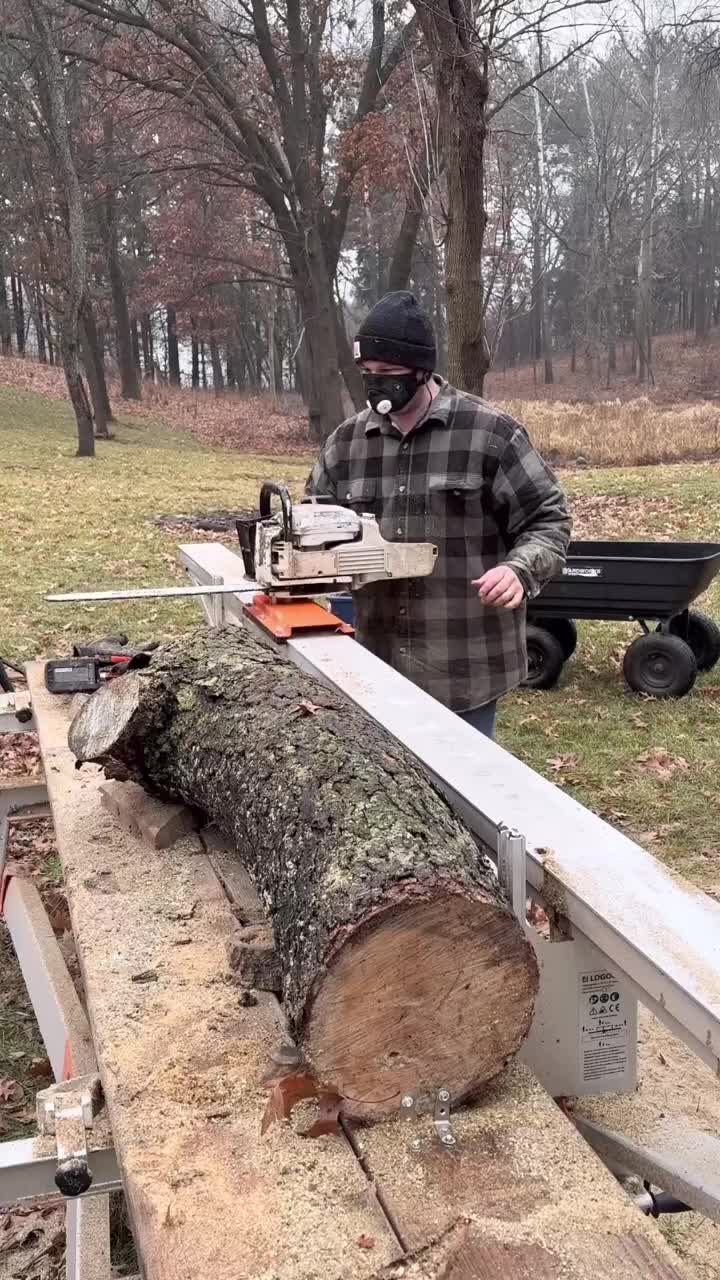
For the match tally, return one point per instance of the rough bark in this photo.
(403, 968)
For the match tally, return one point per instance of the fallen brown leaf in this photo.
(11, 1091)
(40, 1069)
(567, 761)
(660, 762)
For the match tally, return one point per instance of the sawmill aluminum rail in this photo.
(658, 932)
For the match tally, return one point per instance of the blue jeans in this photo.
(482, 718)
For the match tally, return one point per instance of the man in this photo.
(434, 464)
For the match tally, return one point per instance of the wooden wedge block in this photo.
(151, 820)
(253, 959)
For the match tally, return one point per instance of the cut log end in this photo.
(100, 723)
(429, 994)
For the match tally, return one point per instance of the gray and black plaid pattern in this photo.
(467, 479)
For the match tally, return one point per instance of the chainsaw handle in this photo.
(270, 488)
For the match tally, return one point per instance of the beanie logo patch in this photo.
(356, 350)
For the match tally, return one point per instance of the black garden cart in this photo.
(644, 582)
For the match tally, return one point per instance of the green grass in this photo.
(70, 523)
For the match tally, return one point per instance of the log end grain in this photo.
(100, 723)
(430, 993)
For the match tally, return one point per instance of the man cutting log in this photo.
(435, 464)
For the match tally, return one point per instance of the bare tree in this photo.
(51, 90)
(465, 42)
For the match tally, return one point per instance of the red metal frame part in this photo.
(287, 618)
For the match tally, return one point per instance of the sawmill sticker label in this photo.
(603, 1027)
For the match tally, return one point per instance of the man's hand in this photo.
(500, 587)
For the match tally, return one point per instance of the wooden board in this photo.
(520, 1196)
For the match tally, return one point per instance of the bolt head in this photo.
(448, 1140)
(407, 1100)
(443, 1095)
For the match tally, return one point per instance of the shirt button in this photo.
(399, 531)
(402, 488)
(348, 496)
(402, 612)
(405, 448)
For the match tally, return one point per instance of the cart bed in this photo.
(629, 580)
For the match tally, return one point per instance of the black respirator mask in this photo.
(391, 392)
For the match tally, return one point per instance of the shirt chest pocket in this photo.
(456, 498)
(360, 494)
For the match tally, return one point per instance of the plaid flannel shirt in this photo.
(467, 479)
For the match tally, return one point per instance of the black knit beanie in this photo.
(397, 331)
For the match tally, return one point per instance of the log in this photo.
(404, 969)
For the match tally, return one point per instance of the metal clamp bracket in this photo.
(441, 1119)
(511, 855)
(67, 1110)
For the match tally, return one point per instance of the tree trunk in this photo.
(135, 342)
(173, 351)
(51, 83)
(48, 325)
(460, 69)
(195, 357)
(321, 383)
(147, 348)
(403, 968)
(95, 375)
(216, 364)
(18, 312)
(643, 293)
(129, 380)
(405, 241)
(541, 248)
(5, 321)
(40, 325)
(352, 376)
(704, 266)
(97, 349)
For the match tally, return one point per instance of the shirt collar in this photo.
(439, 411)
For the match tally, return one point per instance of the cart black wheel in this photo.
(703, 636)
(545, 658)
(565, 632)
(661, 665)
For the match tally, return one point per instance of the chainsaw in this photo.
(316, 544)
(306, 549)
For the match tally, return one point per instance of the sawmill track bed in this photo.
(184, 1059)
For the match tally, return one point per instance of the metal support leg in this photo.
(87, 1238)
(29, 1171)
